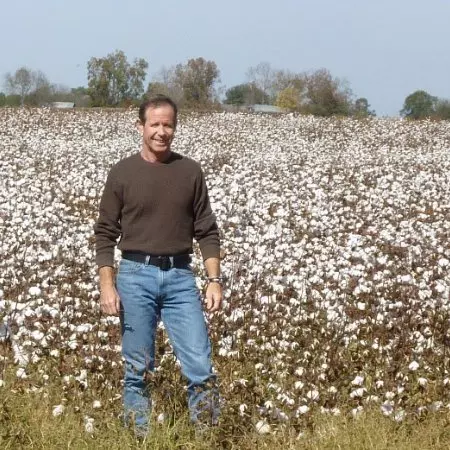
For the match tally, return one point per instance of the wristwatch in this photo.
(219, 280)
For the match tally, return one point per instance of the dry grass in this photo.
(27, 421)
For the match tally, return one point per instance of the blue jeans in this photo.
(148, 293)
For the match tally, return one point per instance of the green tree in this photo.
(2, 99)
(43, 91)
(419, 105)
(80, 90)
(112, 80)
(197, 80)
(245, 94)
(12, 100)
(157, 87)
(289, 98)
(361, 108)
(443, 109)
(137, 74)
(20, 83)
(80, 96)
(326, 95)
(31, 86)
(165, 82)
(263, 76)
(284, 79)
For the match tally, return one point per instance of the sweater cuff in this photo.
(210, 251)
(105, 259)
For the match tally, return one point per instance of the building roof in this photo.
(62, 105)
(266, 109)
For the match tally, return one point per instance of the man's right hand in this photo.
(110, 301)
(109, 298)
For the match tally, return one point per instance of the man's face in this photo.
(159, 129)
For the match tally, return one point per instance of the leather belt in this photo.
(163, 262)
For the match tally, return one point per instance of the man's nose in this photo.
(161, 130)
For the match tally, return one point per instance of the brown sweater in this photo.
(156, 209)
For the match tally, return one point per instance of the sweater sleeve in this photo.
(206, 232)
(107, 228)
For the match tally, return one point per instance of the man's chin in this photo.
(161, 149)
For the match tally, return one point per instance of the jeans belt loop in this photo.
(147, 260)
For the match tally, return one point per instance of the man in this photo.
(156, 201)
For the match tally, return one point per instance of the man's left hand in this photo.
(213, 297)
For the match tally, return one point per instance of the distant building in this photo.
(62, 105)
(267, 109)
(262, 109)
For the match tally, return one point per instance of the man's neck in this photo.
(155, 158)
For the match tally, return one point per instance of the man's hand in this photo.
(213, 297)
(214, 289)
(109, 298)
(110, 301)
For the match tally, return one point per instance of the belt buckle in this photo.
(164, 262)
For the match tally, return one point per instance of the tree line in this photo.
(115, 81)
(33, 88)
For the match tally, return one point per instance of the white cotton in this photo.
(34, 291)
(88, 424)
(303, 409)
(358, 380)
(21, 374)
(262, 427)
(58, 410)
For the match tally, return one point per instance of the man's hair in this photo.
(154, 102)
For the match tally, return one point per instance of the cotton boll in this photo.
(387, 408)
(302, 409)
(58, 410)
(262, 427)
(21, 374)
(313, 395)
(422, 381)
(357, 393)
(443, 262)
(358, 381)
(89, 424)
(34, 291)
(357, 411)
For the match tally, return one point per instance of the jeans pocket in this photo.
(127, 266)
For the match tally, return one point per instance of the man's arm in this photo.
(109, 298)
(206, 232)
(214, 289)
(207, 235)
(107, 230)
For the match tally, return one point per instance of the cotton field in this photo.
(335, 237)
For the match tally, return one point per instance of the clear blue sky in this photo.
(386, 49)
